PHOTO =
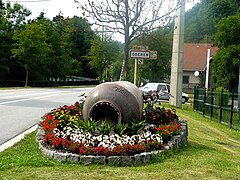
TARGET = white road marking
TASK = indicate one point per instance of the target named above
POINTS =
(27, 99)
(28, 94)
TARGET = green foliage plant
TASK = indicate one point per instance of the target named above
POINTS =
(121, 128)
(105, 128)
(158, 115)
(90, 125)
(135, 126)
(225, 64)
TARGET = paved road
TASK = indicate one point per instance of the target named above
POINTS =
(21, 109)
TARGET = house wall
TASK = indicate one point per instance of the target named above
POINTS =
(192, 81)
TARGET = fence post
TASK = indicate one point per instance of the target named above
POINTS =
(204, 101)
(212, 104)
(194, 98)
(232, 104)
(221, 104)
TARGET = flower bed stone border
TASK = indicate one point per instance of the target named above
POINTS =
(137, 159)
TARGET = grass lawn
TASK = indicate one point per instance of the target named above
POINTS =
(212, 152)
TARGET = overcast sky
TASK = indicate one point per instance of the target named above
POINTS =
(67, 7)
(51, 8)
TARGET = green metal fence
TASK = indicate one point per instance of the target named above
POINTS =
(220, 106)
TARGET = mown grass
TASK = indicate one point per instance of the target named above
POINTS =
(212, 152)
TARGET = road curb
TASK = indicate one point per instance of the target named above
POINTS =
(17, 138)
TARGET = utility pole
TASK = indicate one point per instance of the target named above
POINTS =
(178, 56)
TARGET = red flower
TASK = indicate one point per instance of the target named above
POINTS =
(107, 151)
(159, 128)
(49, 138)
(168, 127)
(165, 132)
(178, 126)
(55, 122)
(49, 117)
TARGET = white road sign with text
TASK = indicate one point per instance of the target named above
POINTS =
(139, 54)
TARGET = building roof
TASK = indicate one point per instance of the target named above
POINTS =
(195, 56)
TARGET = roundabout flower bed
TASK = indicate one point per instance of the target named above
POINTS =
(64, 136)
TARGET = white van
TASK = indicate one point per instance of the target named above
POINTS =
(163, 90)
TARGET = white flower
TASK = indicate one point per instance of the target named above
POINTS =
(109, 141)
(105, 137)
(99, 138)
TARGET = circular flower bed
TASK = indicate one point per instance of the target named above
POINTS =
(65, 131)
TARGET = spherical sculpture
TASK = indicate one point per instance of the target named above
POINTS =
(115, 102)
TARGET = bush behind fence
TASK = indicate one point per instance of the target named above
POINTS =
(219, 105)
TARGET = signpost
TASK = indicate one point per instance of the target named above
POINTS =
(153, 54)
(139, 53)
(140, 61)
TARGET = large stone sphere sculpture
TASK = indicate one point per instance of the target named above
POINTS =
(116, 102)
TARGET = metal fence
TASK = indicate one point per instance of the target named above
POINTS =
(220, 106)
(16, 83)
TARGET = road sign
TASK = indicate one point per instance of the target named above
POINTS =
(136, 47)
(153, 55)
(139, 54)
(140, 61)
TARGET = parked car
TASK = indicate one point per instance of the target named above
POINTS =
(162, 89)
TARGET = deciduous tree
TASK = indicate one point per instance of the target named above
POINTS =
(31, 49)
(129, 18)
(155, 70)
(81, 36)
(11, 17)
(103, 55)
(225, 65)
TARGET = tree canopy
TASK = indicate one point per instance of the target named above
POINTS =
(217, 22)
(42, 49)
(201, 20)
(156, 70)
(103, 55)
(130, 18)
(225, 65)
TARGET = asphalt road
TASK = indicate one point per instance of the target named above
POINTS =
(21, 109)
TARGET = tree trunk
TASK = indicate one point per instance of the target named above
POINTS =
(124, 70)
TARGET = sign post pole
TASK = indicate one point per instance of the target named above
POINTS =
(140, 52)
(135, 72)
